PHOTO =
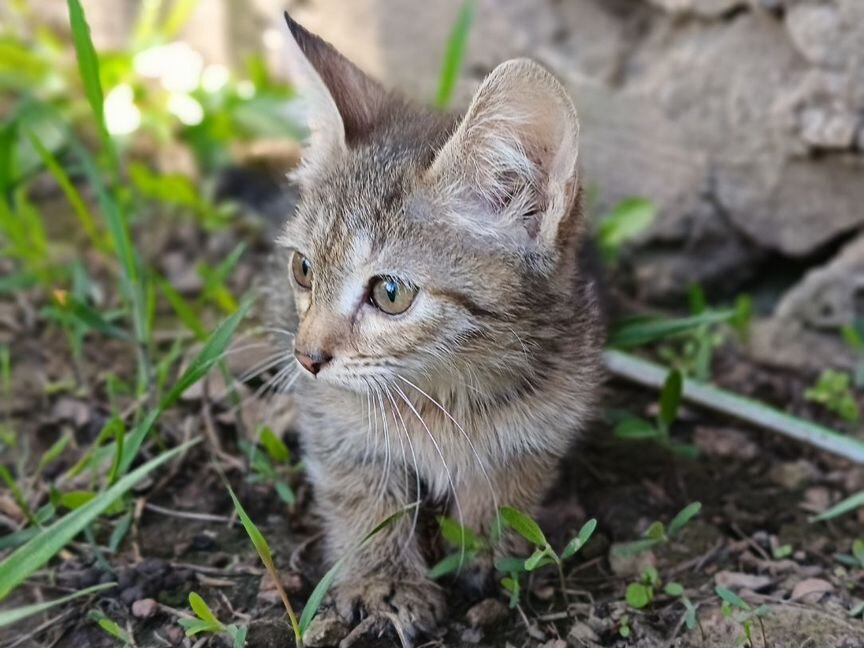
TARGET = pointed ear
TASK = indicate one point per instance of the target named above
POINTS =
(511, 165)
(342, 102)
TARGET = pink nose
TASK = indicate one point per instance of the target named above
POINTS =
(313, 361)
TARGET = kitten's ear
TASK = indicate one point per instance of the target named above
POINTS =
(342, 101)
(512, 161)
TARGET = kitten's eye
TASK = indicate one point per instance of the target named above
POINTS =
(302, 269)
(391, 295)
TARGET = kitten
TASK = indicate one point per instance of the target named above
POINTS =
(450, 347)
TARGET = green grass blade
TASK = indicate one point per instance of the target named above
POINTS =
(650, 374)
(209, 355)
(8, 617)
(88, 67)
(177, 17)
(257, 538)
(641, 331)
(19, 565)
(841, 508)
(92, 319)
(732, 598)
(523, 525)
(313, 604)
(581, 539)
(88, 224)
(684, 516)
(670, 397)
(263, 549)
(202, 610)
(454, 55)
(627, 220)
(183, 310)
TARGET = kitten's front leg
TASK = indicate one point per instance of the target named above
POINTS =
(386, 578)
(522, 486)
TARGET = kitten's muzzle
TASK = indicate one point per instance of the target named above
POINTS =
(312, 361)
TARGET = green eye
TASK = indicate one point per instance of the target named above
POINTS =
(391, 295)
(301, 267)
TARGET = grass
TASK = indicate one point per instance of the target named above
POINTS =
(113, 457)
(48, 138)
(454, 55)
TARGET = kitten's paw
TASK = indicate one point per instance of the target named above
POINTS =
(411, 607)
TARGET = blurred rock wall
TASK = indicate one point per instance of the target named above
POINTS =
(742, 119)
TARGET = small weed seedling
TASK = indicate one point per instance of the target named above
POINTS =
(642, 593)
(543, 554)
(468, 546)
(833, 391)
(657, 533)
(687, 343)
(632, 427)
(734, 607)
(853, 334)
(625, 222)
(693, 353)
(206, 622)
(273, 465)
(856, 558)
(110, 627)
(313, 603)
(691, 621)
(624, 629)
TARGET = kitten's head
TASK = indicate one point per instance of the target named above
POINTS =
(426, 246)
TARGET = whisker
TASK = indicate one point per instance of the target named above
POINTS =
(443, 463)
(477, 456)
(417, 486)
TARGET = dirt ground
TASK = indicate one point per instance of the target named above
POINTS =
(757, 490)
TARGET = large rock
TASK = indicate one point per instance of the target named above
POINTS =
(713, 109)
(805, 331)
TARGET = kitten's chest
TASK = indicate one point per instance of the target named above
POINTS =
(451, 445)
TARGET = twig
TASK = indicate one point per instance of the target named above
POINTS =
(50, 623)
(650, 374)
(187, 515)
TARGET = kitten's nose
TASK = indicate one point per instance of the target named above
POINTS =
(313, 361)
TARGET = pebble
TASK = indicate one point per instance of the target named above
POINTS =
(144, 608)
(325, 630)
(486, 613)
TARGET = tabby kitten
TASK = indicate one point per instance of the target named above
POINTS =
(449, 345)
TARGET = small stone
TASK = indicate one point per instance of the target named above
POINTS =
(810, 590)
(581, 634)
(325, 630)
(472, 635)
(144, 608)
(487, 613)
(174, 634)
(792, 475)
(740, 580)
